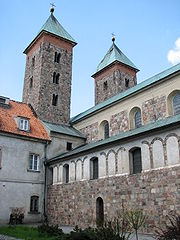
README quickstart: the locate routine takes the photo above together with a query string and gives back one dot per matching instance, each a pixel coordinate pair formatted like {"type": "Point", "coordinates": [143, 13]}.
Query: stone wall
{"type": "Point", "coordinates": [91, 132]}
{"type": "Point", "coordinates": [115, 77]}
{"type": "Point", "coordinates": [156, 192]}
{"type": "Point", "coordinates": [119, 123]}
{"type": "Point", "coordinates": [40, 94]}
{"type": "Point", "coordinates": [154, 109]}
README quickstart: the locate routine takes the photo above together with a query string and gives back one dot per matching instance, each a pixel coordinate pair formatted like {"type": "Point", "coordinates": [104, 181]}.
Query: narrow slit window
{"type": "Point", "coordinates": [126, 83]}
{"type": "Point", "coordinates": [55, 100]}
{"type": "Point", "coordinates": [105, 85]}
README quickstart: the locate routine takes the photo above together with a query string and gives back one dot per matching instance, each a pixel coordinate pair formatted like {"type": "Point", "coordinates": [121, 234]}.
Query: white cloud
{"type": "Point", "coordinates": [174, 54]}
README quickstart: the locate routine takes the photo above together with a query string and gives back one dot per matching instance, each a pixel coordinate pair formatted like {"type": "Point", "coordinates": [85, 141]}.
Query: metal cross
{"type": "Point", "coordinates": [52, 5]}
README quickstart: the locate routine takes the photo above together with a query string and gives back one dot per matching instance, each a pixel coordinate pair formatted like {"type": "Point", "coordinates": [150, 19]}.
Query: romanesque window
{"type": "Point", "coordinates": [99, 211]}
{"type": "Point", "coordinates": [0, 158]}
{"type": "Point", "coordinates": [94, 171]}
{"type": "Point", "coordinates": [56, 78]}
{"type": "Point", "coordinates": [34, 204]}
{"type": "Point", "coordinates": [135, 161]}
{"type": "Point", "coordinates": [137, 119]}
{"type": "Point", "coordinates": [106, 130]}
{"type": "Point", "coordinates": [126, 82]}
{"type": "Point", "coordinates": [105, 85]}
{"type": "Point", "coordinates": [31, 82]}
{"type": "Point", "coordinates": [55, 100]}
{"type": "Point", "coordinates": [24, 124]}
{"type": "Point", "coordinates": [66, 173]}
{"type": "Point", "coordinates": [69, 146]}
{"type": "Point", "coordinates": [34, 162]}
{"type": "Point", "coordinates": [176, 104]}
{"type": "Point", "coordinates": [57, 57]}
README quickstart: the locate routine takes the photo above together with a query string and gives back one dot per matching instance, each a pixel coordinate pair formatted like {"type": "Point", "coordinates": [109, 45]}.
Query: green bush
{"type": "Point", "coordinates": [51, 230]}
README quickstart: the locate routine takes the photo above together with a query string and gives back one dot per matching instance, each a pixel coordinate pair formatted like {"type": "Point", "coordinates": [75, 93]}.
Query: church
{"type": "Point", "coordinates": [122, 152]}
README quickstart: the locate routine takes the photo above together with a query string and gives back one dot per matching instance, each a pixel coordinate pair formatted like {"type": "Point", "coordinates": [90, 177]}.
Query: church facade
{"type": "Point", "coordinates": [122, 153]}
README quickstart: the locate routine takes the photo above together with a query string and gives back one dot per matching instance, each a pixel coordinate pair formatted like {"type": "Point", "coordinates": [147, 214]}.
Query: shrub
{"type": "Point", "coordinates": [171, 230]}
{"type": "Point", "coordinates": [52, 230]}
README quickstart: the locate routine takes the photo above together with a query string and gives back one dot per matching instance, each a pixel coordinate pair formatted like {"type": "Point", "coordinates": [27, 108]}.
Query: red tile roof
{"type": "Point", "coordinates": [18, 109]}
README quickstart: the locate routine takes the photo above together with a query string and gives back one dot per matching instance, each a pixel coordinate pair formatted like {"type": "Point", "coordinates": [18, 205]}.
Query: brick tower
{"type": "Point", "coordinates": [114, 74]}
{"type": "Point", "coordinates": [47, 82]}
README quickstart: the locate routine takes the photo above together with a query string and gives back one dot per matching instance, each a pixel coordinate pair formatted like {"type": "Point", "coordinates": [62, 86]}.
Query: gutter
{"type": "Point", "coordinates": [45, 176]}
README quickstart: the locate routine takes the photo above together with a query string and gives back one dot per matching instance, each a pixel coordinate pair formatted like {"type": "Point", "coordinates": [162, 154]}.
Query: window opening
{"type": "Point", "coordinates": [24, 124]}
{"type": "Point", "coordinates": [106, 130]}
{"type": "Point", "coordinates": [126, 82]}
{"type": "Point", "coordinates": [105, 86]}
{"type": "Point", "coordinates": [34, 162]}
{"type": "Point", "coordinates": [137, 119]}
{"type": "Point", "coordinates": [69, 146]}
{"type": "Point", "coordinates": [55, 100]}
{"type": "Point", "coordinates": [94, 168]}
{"type": "Point", "coordinates": [66, 173]}
{"type": "Point", "coordinates": [136, 161]}
{"type": "Point", "coordinates": [176, 104]}
{"type": "Point", "coordinates": [99, 211]}
{"type": "Point", "coordinates": [34, 204]}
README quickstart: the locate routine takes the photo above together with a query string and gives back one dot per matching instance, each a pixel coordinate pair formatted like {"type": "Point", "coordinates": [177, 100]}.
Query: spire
{"type": "Point", "coordinates": [53, 27]}
{"type": "Point", "coordinates": [114, 54]}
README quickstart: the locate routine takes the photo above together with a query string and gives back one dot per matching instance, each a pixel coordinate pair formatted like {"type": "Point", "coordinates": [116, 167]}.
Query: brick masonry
{"type": "Point", "coordinates": [91, 132]}
{"type": "Point", "coordinates": [156, 192]}
{"type": "Point", "coordinates": [41, 93]}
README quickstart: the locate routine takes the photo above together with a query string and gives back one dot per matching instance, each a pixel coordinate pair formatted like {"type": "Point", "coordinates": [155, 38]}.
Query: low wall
{"type": "Point", "coordinates": [156, 192]}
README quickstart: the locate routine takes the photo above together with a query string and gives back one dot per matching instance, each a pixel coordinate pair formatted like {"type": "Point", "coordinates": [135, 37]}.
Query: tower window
{"type": "Point", "coordinates": [56, 78]}
{"type": "Point", "coordinates": [69, 146]}
{"type": "Point", "coordinates": [55, 100]}
{"type": "Point", "coordinates": [33, 61]}
{"type": "Point", "coordinates": [126, 82]}
{"type": "Point", "coordinates": [31, 82]}
{"type": "Point", "coordinates": [105, 86]}
{"type": "Point", "coordinates": [57, 57]}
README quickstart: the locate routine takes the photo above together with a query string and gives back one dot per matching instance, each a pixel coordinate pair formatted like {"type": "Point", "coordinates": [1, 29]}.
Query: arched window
{"type": "Point", "coordinates": [135, 161]}
{"type": "Point", "coordinates": [57, 57]}
{"type": "Point", "coordinates": [176, 104]}
{"type": "Point", "coordinates": [55, 100]}
{"type": "Point", "coordinates": [66, 173]}
{"type": "Point", "coordinates": [99, 211]}
{"type": "Point", "coordinates": [104, 130]}
{"type": "Point", "coordinates": [135, 118]}
{"type": "Point", "coordinates": [94, 168]}
{"type": "Point", "coordinates": [34, 204]}
{"type": "Point", "coordinates": [56, 77]}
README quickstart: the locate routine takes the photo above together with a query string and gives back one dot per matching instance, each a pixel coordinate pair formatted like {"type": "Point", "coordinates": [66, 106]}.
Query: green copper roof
{"type": "Point", "coordinates": [63, 129]}
{"type": "Point", "coordinates": [54, 27]}
{"type": "Point", "coordinates": [133, 90]}
{"type": "Point", "coordinates": [151, 127]}
{"type": "Point", "coordinates": [114, 54]}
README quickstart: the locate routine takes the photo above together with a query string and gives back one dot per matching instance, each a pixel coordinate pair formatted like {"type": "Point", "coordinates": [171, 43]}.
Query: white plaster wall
{"type": "Point", "coordinates": [86, 168]}
{"type": "Point", "coordinates": [145, 157]}
{"type": "Point", "coordinates": [72, 171]}
{"type": "Point", "coordinates": [123, 161]}
{"type": "Point", "coordinates": [102, 166]}
{"type": "Point", "coordinates": [111, 164]}
{"type": "Point", "coordinates": [78, 170]}
{"type": "Point", "coordinates": [158, 154]}
{"type": "Point", "coordinates": [172, 151]}
{"type": "Point", "coordinates": [17, 183]}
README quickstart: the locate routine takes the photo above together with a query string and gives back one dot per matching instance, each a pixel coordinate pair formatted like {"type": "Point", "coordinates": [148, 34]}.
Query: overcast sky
{"type": "Point", "coordinates": [147, 32]}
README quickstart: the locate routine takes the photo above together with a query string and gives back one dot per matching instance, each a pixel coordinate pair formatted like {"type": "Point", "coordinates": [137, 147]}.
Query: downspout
{"type": "Point", "coordinates": [45, 176]}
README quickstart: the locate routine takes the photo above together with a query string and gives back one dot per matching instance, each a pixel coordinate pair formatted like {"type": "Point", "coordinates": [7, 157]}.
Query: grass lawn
{"type": "Point", "coordinates": [28, 233]}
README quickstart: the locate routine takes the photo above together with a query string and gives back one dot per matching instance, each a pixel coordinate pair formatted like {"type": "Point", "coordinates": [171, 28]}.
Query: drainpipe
{"type": "Point", "coordinates": [45, 174]}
